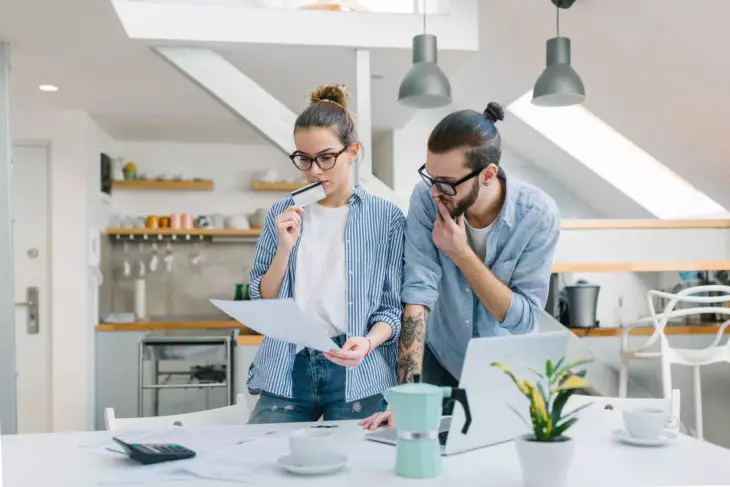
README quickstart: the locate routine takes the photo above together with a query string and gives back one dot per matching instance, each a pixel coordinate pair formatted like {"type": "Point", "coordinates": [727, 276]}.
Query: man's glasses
{"type": "Point", "coordinates": [445, 187]}
{"type": "Point", "coordinates": [324, 161]}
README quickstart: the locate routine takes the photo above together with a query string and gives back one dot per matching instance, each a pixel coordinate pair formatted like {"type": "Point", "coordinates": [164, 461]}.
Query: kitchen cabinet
{"type": "Point", "coordinates": [116, 376]}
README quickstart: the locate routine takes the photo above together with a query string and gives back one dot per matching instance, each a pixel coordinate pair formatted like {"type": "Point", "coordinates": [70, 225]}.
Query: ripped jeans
{"type": "Point", "coordinates": [318, 392]}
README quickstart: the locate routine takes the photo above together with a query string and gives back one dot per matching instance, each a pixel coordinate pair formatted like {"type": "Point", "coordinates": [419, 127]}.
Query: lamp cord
{"type": "Point", "coordinates": [424, 16]}
{"type": "Point", "coordinates": [557, 19]}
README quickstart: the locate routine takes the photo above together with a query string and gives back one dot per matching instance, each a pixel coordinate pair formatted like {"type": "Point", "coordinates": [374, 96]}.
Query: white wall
{"type": "Point", "coordinates": [231, 167]}
{"type": "Point", "coordinates": [75, 144]}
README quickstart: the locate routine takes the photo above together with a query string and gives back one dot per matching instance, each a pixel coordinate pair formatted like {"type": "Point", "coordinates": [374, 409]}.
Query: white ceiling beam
{"type": "Point", "coordinates": [271, 118]}
{"type": "Point", "coordinates": [215, 23]}
{"type": "Point", "coordinates": [239, 93]}
{"type": "Point", "coordinates": [364, 112]}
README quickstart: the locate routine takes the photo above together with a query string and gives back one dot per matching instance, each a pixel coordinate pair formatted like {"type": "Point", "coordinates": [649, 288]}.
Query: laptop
{"type": "Point", "coordinates": [491, 393]}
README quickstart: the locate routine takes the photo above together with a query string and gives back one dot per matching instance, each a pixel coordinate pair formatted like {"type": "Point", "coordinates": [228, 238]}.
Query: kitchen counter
{"type": "Point", "coordinates": [688, 329]}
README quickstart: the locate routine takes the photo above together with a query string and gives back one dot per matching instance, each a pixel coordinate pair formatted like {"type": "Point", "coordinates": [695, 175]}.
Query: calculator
{"type": "Point", "coordinates": [147, 453]}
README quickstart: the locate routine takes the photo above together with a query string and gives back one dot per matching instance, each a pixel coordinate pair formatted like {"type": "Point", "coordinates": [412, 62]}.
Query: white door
{"type": "Point", "coordinates": [32, 264]}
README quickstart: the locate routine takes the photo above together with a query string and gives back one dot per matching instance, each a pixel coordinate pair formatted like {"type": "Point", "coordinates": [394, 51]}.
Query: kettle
{"type": "Point", "coordinates": [417, 413]}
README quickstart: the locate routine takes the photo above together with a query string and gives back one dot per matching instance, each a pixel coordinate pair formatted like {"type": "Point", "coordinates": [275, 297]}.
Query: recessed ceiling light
{"type": "Point", "coordinates": [48, 88]}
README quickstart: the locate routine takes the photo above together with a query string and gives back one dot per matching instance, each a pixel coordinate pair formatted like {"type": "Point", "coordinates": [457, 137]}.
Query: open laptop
{"type": "Point", "coordinates": [490, 392]}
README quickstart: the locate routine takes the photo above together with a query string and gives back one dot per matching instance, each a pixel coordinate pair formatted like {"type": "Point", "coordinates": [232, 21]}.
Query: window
{"type": "Point", "coordinates": [616, 159]}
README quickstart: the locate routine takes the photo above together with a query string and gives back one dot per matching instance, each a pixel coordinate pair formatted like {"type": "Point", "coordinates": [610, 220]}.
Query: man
{"type": "Point", "coordinates": [478, 253]}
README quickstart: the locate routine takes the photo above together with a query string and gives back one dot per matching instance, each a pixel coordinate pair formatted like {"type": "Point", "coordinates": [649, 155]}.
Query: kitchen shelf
{"type": "Point", "coordinates": [152, 184]}
{"type": "Point", "coordinates": [193, 232]}
{"type": "Point", "coordinates": [277, 186]}
{"type": "Point", "coordinates": [643, 266]}
{"type": "Point", "coordinates": [641, 224]}
{"type": "Point", "coordinates": [706, 329]}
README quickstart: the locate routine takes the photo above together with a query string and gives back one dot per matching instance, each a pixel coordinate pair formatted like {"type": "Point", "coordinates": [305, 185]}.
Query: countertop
{"type": "Point", "coordinates": [249, 337]}
{"type": "Point", "coordinates": [688, 329]}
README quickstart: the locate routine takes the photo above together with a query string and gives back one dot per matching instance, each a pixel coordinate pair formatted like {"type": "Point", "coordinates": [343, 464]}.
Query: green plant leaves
{"type": "Point", "coordinates": [549, 396]}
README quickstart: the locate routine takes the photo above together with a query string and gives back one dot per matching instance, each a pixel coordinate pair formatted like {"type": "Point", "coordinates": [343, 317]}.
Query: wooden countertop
{"type": "Point", "coordinates": [626, 224]}
{"type": "Point", "coordinates": [708, 329]}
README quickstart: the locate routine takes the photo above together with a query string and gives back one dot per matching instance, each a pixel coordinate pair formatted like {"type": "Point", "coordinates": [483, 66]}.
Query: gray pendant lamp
{"type": "Point", "coordinates": [425, 85]}
{"type": "Point", "coordinates": [559, 85]}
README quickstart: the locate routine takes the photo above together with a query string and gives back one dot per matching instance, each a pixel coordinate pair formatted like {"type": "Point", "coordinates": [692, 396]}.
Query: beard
{"type": "Point", "coordinates": [458, 208]}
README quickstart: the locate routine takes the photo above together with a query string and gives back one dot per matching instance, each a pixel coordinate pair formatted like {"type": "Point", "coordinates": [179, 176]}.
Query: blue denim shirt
{"type": "Point", "coordinates": [520, 250]}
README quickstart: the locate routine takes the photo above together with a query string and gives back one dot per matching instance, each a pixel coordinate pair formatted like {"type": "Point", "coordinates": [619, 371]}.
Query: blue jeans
{"type": "Point", "coordinates": [319, 392]}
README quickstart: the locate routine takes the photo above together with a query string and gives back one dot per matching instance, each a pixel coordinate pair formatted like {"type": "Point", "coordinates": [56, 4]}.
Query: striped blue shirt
{"type": "Point", "coordinates": [374, 236]}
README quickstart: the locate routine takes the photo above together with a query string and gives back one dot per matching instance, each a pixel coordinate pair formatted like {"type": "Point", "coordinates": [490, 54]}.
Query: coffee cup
{"type": "Point", "coordinates": [648, 423]}
{"type": "Point", "coordinates": [312, 446]}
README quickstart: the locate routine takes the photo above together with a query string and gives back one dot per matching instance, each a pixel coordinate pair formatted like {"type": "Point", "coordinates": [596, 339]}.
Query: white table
{"type": "Point", "coordinates": [60, 461]}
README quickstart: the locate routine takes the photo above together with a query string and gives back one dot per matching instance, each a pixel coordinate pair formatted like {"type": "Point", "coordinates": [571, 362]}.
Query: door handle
{"type": "Point", "coordinates": [31, 302]}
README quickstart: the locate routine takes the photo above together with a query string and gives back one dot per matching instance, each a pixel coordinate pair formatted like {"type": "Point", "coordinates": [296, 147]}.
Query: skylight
{"type": "Point", "coordinates": [616, 159]}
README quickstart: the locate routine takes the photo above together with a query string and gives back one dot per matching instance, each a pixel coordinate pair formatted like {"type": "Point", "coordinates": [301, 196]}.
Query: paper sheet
{"type": "Point", "coordinates": [222, 453]}
{"type": "Point", "coordinates": [280, 319]}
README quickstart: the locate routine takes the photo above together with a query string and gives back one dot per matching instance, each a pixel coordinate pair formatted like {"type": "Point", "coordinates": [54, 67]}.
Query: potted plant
{"type": "Point", "coordinates": [545, 454]}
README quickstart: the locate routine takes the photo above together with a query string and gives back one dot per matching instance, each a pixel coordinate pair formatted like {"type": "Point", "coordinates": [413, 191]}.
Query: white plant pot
{"type": "Point", "coordinates": [544, 464]}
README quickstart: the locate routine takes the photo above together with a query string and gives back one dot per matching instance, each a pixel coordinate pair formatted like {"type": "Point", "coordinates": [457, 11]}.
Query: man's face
{"type": "Point", "coordinates": [451, 167]}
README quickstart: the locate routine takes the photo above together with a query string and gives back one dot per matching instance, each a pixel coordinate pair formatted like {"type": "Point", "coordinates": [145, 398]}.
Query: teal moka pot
{"type": "Point", "coordinates": [417, 413]}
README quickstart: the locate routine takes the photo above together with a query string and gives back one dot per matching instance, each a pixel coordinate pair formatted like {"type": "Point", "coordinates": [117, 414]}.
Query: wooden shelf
{"type": "Point", "coordinates": [193, 232]}
{"type": "Point", "coordinates": [627, 224]}
{"type": "Point", "coordinates": [152, 184]}
{"type": "Point", "coordinates": [708, 329]}
{"type": "Point", "coordinates": [277, 186]}
{"type": "Point", "coordinates": [660, 266]}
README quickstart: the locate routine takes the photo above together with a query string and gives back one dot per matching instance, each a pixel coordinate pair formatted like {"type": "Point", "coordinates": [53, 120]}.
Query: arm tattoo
{"type": "Point", "coordinates": [410, 345]}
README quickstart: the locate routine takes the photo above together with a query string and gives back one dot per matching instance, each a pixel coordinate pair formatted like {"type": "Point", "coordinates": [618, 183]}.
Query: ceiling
{"type": "Point", "coordinates": [655, 70]}
{"type": "Point", "coordinates": [80, 46]}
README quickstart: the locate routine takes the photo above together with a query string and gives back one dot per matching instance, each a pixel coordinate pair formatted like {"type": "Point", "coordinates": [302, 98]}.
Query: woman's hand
{"type": "Point", "coordinates": [376, 420]}
{"type": "Point", "coordinates": [289, 226]}
{"type": "Point", "coordinates": [352, 352]}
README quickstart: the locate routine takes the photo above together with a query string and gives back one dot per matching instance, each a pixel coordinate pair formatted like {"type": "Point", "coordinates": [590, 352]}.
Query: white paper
{"type": "Point", "coordinates": [219, 455]}
{"type": "Point", "coordinates": [280, 319]}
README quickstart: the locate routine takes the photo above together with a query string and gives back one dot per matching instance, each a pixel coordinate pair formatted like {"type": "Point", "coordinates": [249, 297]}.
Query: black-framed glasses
{"type": "Point", "coordinates": [324, 161]}
{"type": "Point", "coordinates": [446, 187]}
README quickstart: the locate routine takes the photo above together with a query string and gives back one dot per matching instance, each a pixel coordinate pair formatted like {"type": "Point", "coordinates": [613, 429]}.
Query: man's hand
{"type": "Point", "coordinates": [449, 236]}
{"type": "Point", "coordinates": [352, 352]}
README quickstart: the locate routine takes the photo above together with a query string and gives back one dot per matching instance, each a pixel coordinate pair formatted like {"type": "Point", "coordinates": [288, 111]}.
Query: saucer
{"type": "Point", "coordinates": [666, 437]}
{"type": "Point", "coordinates": [333, 464]}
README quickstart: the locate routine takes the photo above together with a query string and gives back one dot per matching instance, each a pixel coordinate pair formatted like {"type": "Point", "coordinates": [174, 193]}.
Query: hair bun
{"type": "Point", "coordinates": [331, 93]}
{"type": "Point", "coordinates": [494, 112]}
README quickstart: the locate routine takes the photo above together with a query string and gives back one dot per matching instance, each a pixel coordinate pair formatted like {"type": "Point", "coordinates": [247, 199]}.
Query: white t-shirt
{"type": "Point", "coordinates": [320, 284]}
{"type": "Point", "coordinates": [478, 239]}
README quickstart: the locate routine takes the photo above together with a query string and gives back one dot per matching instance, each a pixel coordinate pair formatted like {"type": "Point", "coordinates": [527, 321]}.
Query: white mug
{"type": "Point", "coordinates": [648, 423]}
{"type": "Point", "coordinates": [312, 446]}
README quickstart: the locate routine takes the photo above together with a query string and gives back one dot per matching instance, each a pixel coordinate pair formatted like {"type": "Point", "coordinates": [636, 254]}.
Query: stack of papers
{"type": "Point", "coordinates": [280, 319]}
{"type": "Point", "coordinates": [222, 453]}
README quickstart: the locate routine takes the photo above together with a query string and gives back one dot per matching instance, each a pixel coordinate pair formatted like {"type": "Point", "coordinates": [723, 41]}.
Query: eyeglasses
{"type": "Point", "coordinates": [324, 161]}
{"type": "Point", "coordinates": [445, 187]}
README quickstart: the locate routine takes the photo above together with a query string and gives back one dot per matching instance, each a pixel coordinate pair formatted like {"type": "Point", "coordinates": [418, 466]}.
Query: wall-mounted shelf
{"type": "Point", "coordinates": [152, 184]}
{"type": "Point", "coordinates": [634, 224]}
{"type": "Point", "coordinates": [663, 266]}
{"type": "Point", "coordinates": [277, 186]}
{"type": "Point", "coordinates": [193, 232]}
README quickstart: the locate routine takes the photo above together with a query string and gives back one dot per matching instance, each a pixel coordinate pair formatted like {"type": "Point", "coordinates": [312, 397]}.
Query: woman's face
{"type": "Point", "coordinates": [323, 143]}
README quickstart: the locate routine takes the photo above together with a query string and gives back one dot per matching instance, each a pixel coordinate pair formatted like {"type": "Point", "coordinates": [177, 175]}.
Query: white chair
{"type": "Point", "coordinates": [230, 415]}
{"type": "Point", "coordinates": [668, 355]}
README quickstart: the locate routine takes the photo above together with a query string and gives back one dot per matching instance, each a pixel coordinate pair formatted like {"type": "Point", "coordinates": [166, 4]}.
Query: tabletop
{"type": "Point", "coordinates": [75, 459]}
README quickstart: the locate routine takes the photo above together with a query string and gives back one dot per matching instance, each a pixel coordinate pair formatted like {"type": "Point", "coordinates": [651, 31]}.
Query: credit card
{"type": "Point", "coordinates": [308, 195]}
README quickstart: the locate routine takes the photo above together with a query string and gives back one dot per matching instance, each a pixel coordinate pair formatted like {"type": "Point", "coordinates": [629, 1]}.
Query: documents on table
{"type": "Point", "coordinates": [280, 319]}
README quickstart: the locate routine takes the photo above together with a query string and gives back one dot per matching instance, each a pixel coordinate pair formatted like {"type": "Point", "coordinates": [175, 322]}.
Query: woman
{"type": "Point", "coordinates": [341, 260]}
